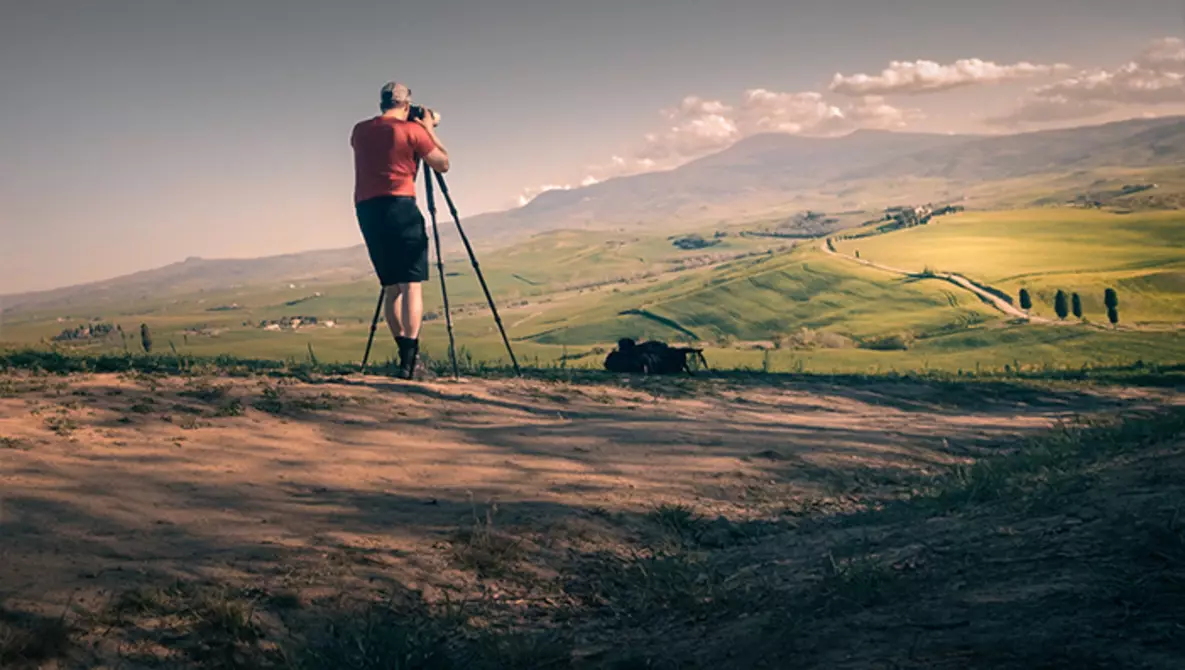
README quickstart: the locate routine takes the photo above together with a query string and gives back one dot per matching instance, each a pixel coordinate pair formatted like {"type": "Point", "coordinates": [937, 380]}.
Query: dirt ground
{"type": "Point", "coordinates": [484, 490]}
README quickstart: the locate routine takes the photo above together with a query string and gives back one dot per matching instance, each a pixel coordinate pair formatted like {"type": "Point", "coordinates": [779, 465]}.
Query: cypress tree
{"type": "Point", "coordinates": [145, 338]}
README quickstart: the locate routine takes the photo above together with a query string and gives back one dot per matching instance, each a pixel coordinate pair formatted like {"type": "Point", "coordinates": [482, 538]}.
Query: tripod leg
{"type": "Point", "coordinates": [373, 325]}
{"type": "Point", "coordinates": [448, 319]}
{"type": "Point", "coordinates": [477, 268]}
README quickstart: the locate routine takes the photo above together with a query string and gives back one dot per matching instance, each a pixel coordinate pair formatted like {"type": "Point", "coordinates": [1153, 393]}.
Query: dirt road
{"type": "Point", "coordinates": [958, 280]}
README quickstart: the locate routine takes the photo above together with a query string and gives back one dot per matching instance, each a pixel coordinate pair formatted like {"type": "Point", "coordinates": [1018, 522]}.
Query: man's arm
{"type": "Point", "coordinates": [437, 156]}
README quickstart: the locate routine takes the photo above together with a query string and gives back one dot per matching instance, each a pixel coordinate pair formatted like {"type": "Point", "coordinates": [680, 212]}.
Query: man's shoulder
{"type": "Point", "coordinates": [366, 123]}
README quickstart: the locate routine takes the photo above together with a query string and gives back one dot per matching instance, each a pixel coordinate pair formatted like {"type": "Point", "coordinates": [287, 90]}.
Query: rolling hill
{"type": "Point", "coordinates": [766, 176]}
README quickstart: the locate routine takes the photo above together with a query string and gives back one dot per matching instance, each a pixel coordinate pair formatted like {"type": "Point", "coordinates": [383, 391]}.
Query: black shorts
{"type": "Point", "coordinates": [393, 227]}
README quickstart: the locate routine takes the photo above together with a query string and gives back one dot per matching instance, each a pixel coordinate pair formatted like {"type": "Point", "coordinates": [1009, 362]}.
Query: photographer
{"type": "Point", "coordinates": [387, 151]}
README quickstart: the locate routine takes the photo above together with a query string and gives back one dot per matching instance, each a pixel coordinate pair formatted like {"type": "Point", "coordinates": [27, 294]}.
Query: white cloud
{"type": "Point", "coordinates": [1164, 55]}
{"type": "Point", "coordinates": [698, 126]}
{"type": "Point", "coordinates": [1130, 84]}
{"type": "Point", "coordinates": [1155, 77]}
{"type": "Point", "coordinates": [530, 194]}
{"type": "Point", "coordinates": [923, 76]}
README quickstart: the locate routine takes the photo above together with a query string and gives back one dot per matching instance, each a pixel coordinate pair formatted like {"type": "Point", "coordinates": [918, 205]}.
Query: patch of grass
{"type": "Point", "coordinates": [61, 425]}
{"type": "Point", "coordinates": [203, 390]}
{"type": "Point", "coordinates": [14, 443]}
{"type": "Point", "coordinates": [642, 588]}
{"type": "Point", "coordinates": [13, 388]}
{"type": "Point", "coordinates": [230, 407]}
{"type": "Point", "coordinates": [853, 583]}
{"type": "Point", "coordinates": [145, 405]}
{"type": "Point", "coordinates": [485, 549]}
{"type": "Point", "coordinates": [275, 399]}
{"type": "Point", "coordinates": [213, 625]}
{"type": "Point", "coordinates": [679, 520]}
{"type": "Point", "coordinates": [1053, 460]}
{"type": "Point", "coordinates": [28, 639]}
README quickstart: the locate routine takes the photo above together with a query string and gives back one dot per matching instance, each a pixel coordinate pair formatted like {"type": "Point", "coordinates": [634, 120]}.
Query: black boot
{"type": "Point", "coordinates": [409, 350]}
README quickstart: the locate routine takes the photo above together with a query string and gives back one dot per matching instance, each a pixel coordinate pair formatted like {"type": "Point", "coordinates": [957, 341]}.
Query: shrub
{"type": "Point", "coordinates": [146, 338]}
{"type": "Point", "coordinates": [1026, 301]}
{"type": "Point", "coordinates": [1111, 299]}
{"type": "Point", "coordinates": [806, 338]}
{"type": "Point", "coordinates": [1060, 304]}
{"type": "Point", "coordinates": [894, 342]}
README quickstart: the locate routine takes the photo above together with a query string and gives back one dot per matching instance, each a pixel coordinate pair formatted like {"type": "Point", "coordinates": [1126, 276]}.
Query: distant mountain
{"type": "Point", "coordinates": [1138, 143]}
{"type": "Point", "coordinates": [198, 274]}
{"type": "Point", "coordinates": [763, 171]}
{"type": "Point", "coordinates": [758, 174]}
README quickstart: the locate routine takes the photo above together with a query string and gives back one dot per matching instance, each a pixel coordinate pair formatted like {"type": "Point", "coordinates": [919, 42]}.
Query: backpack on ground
{"type": "Point", "coordinates": [651, 358]}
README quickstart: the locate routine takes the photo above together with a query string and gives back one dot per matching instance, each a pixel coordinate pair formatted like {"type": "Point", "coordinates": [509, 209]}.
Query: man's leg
{"type": "Point", "coordinates": [412, 309]}
{"type": "Point", "coordinates": [392, 308]}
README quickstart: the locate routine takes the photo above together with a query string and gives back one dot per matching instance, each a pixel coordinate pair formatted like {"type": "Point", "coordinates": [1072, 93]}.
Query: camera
{"type": "Point", "coordinates": [417, 112]}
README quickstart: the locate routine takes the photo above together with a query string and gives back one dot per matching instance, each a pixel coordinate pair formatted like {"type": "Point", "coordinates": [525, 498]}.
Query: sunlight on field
{"type": "Point", "coordinates": [1075, 250]}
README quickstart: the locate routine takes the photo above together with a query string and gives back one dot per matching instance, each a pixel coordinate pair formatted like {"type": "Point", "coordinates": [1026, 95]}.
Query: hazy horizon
{"type": "Point", "coordinates": [137, 135]}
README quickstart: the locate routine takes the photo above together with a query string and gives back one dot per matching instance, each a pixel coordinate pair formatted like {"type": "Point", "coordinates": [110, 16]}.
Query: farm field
{"type": "Point", "coordinates": [751, 302]}
{"type": "Point", "coordinates": [1139, 254]}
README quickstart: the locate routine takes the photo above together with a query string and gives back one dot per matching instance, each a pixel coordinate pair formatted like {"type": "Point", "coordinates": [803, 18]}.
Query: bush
{"type": "Point", "coordinates": [812, 339]}
{"type": "Point", "coordinates": [1061, 305]}
{"type": "Point", "coordinates": [1111, 299]}
{"type": "Point", "coordinates": [1026, 301]}
{"type": "Point", "coordinates": [894, 342]}
{"type": "Point", "coordinates": [145, 338]}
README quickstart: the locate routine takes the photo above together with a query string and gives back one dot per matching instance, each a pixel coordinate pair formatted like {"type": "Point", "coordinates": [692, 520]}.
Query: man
{"type": "Point", "coordinates": [387, 151]}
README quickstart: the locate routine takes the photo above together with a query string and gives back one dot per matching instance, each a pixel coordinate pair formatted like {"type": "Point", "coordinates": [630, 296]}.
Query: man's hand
{"type": "Point", "coordinates": [428, 120]}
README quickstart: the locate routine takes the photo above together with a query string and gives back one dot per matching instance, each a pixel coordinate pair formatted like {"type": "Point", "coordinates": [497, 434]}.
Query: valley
{"type": "Point", "coordinates": [758, 287]}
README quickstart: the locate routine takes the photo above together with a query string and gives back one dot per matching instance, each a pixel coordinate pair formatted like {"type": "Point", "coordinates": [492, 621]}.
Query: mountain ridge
{"type": "Point", "coordinates": [756, 172]}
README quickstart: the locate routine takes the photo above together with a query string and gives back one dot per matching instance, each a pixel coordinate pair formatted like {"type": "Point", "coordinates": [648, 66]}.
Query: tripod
{"type": "Point", "coordinates": [452, 351]}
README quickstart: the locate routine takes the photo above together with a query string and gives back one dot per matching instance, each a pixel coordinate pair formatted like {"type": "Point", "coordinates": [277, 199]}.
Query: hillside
{"type": "Point", "coordinates": [1077, 251]}
{"type": "Point", "coordinates": [763, 173]}
{"type": "Point", "coordinates": [765, 176]}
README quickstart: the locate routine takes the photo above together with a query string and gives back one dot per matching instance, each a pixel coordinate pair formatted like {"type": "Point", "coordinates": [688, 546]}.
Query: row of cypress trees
{"type": "Point", "coordinates": [1064, 305]}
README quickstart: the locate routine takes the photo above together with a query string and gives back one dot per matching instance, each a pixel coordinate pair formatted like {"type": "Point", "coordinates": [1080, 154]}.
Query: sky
{"type": "Point", "coordinates": [137, 134]}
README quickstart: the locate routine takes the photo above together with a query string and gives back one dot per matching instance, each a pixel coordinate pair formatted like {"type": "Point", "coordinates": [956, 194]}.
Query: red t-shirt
{"type": "Point", "coordinates": [386, 152]}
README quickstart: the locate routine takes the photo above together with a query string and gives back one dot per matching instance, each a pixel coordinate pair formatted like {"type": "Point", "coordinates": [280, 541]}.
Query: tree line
{"type": "Point", "coordinates": [1064, 305]}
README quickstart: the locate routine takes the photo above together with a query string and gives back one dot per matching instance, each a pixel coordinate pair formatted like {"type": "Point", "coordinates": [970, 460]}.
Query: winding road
{"type": "Point", "coordinates": [958, 280]}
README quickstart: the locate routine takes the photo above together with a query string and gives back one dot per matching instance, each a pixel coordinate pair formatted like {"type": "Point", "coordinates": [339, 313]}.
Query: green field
{"type": "Point", "coordinates": [754, 302]}
{"type": "Point", "coordinates": [1141, 255]}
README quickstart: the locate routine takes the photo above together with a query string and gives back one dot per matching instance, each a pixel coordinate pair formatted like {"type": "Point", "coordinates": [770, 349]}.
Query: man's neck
{"type": "Point", "coordinates": [397, 113]}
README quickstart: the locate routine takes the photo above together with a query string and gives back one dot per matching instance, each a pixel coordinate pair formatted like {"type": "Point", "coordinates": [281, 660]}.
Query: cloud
{"type": "Point", "coordinates": [698, 126]}
{"type": "Point", "coordinates": [1130, 84]}
{"type": "Point", "coordinates": [923, 76]}
{"type": "Point", "coordinates": [1164, 55]}
{"type": "Point", "coordinates": [530, 194]}
{"type": "Point", "coordinates": [1155, 77]}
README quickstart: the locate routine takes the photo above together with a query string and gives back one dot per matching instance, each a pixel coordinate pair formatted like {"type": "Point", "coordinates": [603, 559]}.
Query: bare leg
{"type": "Point", "coordinates": [411, 309]}
{"type": "Point", "coordinates": [392, 308]}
